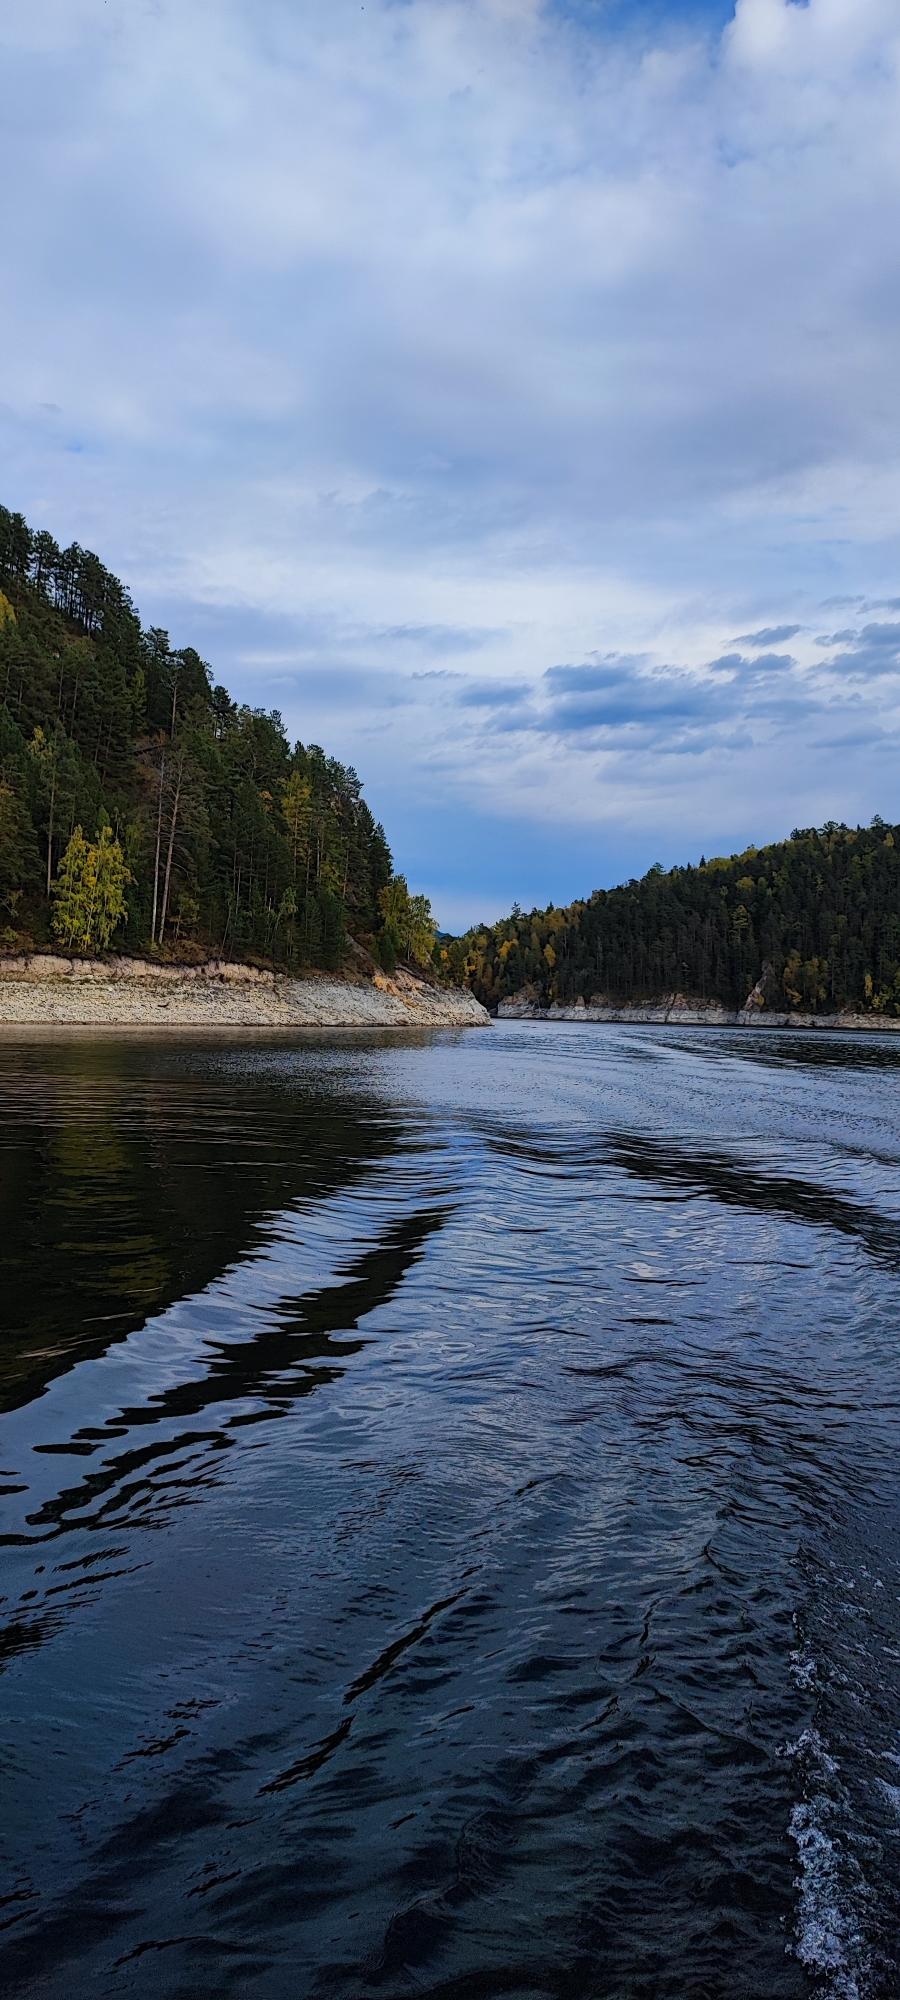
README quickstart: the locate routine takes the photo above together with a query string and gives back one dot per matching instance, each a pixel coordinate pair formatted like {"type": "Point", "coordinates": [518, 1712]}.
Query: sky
{"type": "Point", "coordinates": [507, 391]}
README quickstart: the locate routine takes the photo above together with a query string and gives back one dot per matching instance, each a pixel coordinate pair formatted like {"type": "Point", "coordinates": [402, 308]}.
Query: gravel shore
{"type": "Point", "coordinates": [43, 990]}
{"type": "Point", "coordinates": [678, 1013]}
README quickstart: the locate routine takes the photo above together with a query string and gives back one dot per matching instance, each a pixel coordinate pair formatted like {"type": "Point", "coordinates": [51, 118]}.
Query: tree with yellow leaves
{"type": "Point", "coordinates": [408, 922]}
{"type": "Point", "coordinates": [89, 891]}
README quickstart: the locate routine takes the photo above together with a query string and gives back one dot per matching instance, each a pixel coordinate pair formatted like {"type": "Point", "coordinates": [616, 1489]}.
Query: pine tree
{"type": "Point", "coordinates": [296, 801]}
{"type": "Point", "coordinates": [18, 850]}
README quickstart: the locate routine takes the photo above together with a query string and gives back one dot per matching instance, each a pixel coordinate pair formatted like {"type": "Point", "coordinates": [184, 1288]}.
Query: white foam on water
{"type": "Point", "coordinates": [829, 1939]}
{"type": "Point", "coordinates": [891, 1792]}
{"type": "Point", "coordinates": [810, 1747]}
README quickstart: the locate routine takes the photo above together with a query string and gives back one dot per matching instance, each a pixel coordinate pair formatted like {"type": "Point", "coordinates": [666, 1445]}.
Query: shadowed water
{"type": "Point", "coordinates": [450, 1511]}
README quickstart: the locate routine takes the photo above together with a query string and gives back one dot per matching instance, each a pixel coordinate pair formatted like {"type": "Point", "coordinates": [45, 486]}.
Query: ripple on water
{"type": "Point", "coordinates": [441, 1478]}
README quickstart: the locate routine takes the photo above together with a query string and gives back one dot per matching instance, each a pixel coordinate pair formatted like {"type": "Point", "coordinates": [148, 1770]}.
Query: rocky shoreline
{"type": "Point", "coordinates": [683, 1013]}
{"type": "Point", "coordinates": [45, 990]}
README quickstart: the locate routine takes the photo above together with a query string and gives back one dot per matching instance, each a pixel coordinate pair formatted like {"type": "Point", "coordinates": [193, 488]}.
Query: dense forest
{"type": "Point", "coordinates": [141, 807]}
{"type": "Point", "coordinates": [812, 922]}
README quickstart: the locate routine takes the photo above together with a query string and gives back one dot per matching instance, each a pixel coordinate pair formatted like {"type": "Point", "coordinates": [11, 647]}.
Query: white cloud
{"type": "Point", "coordinates": [458, 314]}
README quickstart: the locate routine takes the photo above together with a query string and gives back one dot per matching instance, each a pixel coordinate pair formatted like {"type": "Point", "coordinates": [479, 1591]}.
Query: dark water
{"type": "Point", "coordinates": [450, 1516]}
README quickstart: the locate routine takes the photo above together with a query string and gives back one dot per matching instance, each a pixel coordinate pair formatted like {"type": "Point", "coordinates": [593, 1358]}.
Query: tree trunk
{"type": "Point", "coordinates": [50, 829]}
{"type": "Point", "coordinates": [162, 773]}
{"type": "Point", "coordinates": [175, 805]}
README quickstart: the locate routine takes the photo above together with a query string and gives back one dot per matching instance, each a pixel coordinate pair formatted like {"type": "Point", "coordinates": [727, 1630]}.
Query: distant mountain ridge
{"type": "Point", "coordinates": [808, 925]}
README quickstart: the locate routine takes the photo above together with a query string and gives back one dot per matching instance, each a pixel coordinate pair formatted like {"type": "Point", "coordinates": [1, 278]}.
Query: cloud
{"type": "Point", "coordinates": [617, 705]}
{"type": "Point", "coordinates": [623, 695]}
{"type": "Point", "coordinates": [494, 694]}
{"type": "Point", "coordinates": [403, 340]}
{"type": "Point", "coordinates": [755, 669]}
{"type": "Point", "coordinates": [871, 650]}
{"type": "Point", "coordinates": [771, 635]}
{"type": "Point", "coordinates": [327, 688]}
{"type": "Point", "coordinates": [435, 638]}
{"type": "Point", "coordinates": [598, 672]}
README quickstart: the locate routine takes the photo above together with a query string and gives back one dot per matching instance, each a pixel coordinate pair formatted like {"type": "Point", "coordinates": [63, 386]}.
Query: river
{"type": "Point", "coordinates": [450, 1515]}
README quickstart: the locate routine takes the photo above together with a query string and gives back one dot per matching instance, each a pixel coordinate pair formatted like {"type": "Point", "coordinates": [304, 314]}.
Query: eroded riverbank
{"type": "Point", "coordinates": [133, 993]}
{"type": "Point", "coordinates": [681, 1013]}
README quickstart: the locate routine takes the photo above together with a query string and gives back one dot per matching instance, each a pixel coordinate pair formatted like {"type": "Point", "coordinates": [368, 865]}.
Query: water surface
{"type": "Point", "coordinates": [450, 1515]}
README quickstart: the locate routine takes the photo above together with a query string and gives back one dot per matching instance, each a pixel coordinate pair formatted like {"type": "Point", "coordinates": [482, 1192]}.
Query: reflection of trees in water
{"type": "Point", "coordinates": [122, 1193]}
{"type": "Point", "coordinates": [792, 1048]}
{"type": "Point", "coordinates": [294, 1351]}
{"type": "Point", "coordinates": [754, 1186]}
{"type": "Point", "coordinates": [747, 1182]}
{"type": "Point", "coordinates": [125, 1185]}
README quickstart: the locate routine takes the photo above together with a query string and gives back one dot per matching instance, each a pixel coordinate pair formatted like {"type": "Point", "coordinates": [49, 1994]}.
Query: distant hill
{"type": "Point", "coordinates": [813, 922]}
{"type": "Point", "coordinates": [141, 806]}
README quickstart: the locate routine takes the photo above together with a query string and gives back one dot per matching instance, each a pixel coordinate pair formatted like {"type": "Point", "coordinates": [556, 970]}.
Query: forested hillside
{"type": "Point", "coordinates": [815, 918]}
{"type": "Point", "coordinates": [140, 806]}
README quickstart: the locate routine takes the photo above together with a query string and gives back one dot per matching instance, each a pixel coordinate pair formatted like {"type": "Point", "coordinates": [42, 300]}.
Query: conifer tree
{"type": "Point", "coordinates": [103, 723]}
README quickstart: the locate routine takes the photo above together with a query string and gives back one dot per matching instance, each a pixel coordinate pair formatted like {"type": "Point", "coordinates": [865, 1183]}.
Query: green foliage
{"type": "Point", "coordinates": [235, 839]}
{"type": "Point", "coordinates": [408, 923]}
{"type": "Point", "coordinates": [89, 892]}
{"type": "Point", "coordinates": [71, 909]}
{"type": "Point", "coordinates": [296, 804]}
{"type": "Point", "coordinates": [386, 952]}
{"type": "Point", "coordinates": [813, 921]}
{"type": "Point", "coordinates": [18, 850]}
